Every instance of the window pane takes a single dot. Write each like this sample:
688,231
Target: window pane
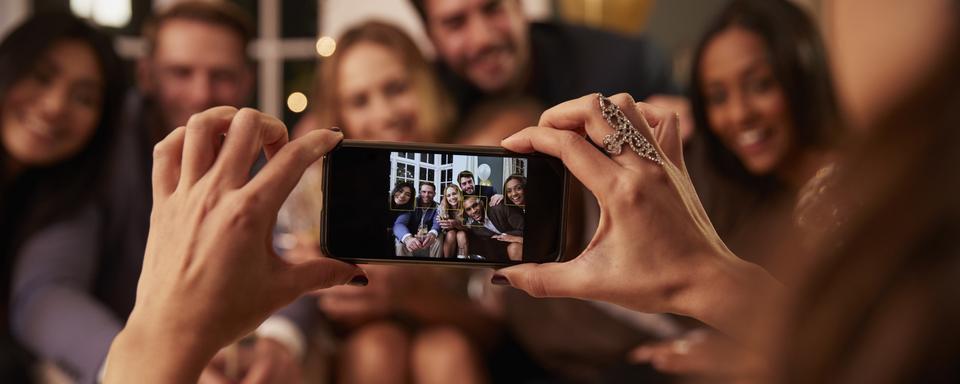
299,19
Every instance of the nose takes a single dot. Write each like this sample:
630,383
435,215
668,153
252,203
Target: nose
201,92
480,33
741,109
382,112
53,103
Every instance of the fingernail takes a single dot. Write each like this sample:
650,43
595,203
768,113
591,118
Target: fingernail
336,129
499,279
359,281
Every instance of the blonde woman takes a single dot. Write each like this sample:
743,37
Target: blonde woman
378,86
451,220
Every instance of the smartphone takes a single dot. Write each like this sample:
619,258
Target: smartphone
442,204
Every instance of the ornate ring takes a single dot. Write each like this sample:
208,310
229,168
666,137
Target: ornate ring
624,132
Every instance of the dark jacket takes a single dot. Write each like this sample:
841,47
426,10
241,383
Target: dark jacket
409,222
571,61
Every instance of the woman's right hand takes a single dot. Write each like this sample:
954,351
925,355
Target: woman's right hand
654,249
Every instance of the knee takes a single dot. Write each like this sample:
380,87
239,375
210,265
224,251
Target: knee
462,237
444,346
375,345
451,235
515,251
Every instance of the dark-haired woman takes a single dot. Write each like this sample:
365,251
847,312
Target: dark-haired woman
401,198
509,218
763,104
60,87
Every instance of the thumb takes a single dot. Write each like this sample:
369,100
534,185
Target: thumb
543,280
319,273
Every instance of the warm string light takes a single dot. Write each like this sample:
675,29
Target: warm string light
297,102
326,45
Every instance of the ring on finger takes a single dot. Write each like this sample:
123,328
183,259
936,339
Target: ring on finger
624,133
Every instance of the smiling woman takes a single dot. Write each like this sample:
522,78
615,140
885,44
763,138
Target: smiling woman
60,88
767,119
377,85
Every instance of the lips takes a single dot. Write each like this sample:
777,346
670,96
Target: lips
753,140
489,60
38,129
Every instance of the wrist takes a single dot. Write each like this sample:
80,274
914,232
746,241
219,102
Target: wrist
724,291
156,352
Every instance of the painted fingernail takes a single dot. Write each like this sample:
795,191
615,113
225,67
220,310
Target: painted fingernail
336,129
499,279
359,281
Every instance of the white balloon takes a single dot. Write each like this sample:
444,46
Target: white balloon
483,171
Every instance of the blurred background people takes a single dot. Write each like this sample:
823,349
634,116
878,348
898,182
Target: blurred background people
379,86
488,50
196,59
61,87
765,114
411,323
767,121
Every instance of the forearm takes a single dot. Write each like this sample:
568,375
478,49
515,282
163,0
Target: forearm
149,352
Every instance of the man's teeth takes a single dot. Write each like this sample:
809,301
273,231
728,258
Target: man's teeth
750,137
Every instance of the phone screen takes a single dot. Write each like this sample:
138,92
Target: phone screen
442,205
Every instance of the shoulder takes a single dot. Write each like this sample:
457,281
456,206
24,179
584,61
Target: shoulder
607,62
592,40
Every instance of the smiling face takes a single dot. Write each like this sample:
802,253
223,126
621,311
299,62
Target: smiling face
376,94
452,194
402,196
195,66
52,112
427,192
484,41
515,191
466,184
746,106
473,208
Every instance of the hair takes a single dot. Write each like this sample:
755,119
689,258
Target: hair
521,178
889,274
41,195
218,12
463,174
799,61
396,189
436,112
445,207
420,7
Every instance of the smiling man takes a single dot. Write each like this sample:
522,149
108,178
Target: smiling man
487,49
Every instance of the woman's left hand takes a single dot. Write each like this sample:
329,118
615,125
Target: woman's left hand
209,273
